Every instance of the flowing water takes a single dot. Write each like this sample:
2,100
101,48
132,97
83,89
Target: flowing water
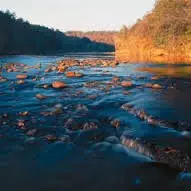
114,153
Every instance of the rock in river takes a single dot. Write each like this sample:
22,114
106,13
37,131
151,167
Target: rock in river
166,155
21,76
20,82
50,138
58,85
73,74
156,86
126,84
31,132
40,96
90,125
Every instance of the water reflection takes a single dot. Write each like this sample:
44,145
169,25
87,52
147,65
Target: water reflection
179,71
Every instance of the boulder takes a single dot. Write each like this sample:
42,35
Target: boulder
126,84
156,86
41,96
50,138
21,76
58,85
73,74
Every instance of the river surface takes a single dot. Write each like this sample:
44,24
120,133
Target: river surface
91,159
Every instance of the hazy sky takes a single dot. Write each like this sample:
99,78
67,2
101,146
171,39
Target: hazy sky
79,14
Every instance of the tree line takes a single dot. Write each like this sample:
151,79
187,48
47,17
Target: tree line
106,37
20,37
164,34
169,21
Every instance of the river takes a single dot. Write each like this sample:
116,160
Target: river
43,144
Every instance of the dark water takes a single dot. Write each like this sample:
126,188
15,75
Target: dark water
94,159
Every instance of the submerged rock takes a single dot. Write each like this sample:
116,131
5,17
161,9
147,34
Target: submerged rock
48,70
126,92
3,79
90,125
116,123
112,140
93,84
46,86
25,113
41,96
31,132
155,78
142,115
148,85
57,110
126,106
72,124
46,113
65,139
92,97
20,82
81,108
21,124
115,80
50,138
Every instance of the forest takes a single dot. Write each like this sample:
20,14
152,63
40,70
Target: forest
106,37
20,37
163,32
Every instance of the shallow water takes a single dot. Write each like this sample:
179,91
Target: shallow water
92,159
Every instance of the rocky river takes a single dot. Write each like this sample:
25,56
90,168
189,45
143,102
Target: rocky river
85,122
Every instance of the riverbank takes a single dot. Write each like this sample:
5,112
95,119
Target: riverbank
162,35
137,51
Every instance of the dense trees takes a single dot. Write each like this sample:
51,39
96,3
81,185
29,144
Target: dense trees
169,20
164,31
106,37
20,37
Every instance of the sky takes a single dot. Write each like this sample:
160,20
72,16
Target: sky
85,15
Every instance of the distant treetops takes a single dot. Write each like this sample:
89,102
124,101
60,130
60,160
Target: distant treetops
166,27
169,20
106,37
20,37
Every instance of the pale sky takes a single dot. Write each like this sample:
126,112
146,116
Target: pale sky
79,14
